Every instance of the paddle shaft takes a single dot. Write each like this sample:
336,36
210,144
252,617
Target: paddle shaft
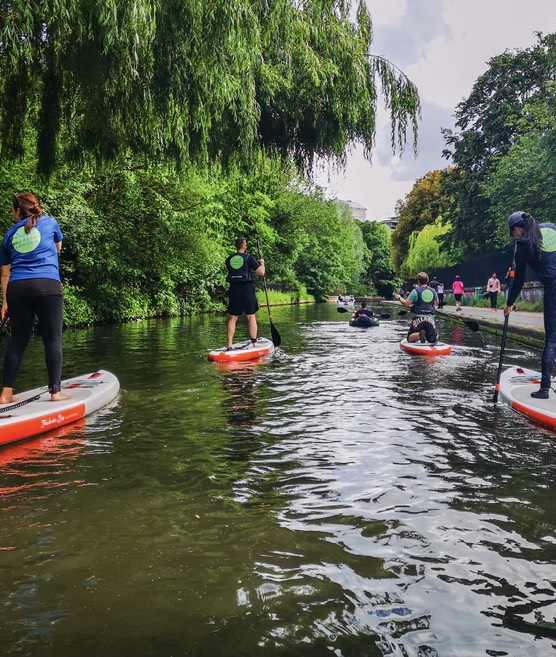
504,332
276,339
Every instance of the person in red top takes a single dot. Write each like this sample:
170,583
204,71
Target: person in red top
493,287
457,287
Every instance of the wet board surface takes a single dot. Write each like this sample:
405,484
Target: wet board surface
516,386
426,349
88,393
242,351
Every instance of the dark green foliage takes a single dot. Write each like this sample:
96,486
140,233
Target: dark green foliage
142,241
380,275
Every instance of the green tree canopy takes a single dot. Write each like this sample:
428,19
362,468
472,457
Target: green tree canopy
425,251
487,124
194,81
422,206
379,274
525,178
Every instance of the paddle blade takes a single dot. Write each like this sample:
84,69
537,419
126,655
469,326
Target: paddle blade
473,326
276,339
384,316
341,309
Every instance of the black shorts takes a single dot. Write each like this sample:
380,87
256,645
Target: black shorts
242,299
423,324
457,297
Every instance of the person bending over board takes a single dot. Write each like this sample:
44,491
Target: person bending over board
31,286
422,300
242,299
536,247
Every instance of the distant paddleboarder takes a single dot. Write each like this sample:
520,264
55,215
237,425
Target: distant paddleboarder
536,247
242,299
423,300
364,310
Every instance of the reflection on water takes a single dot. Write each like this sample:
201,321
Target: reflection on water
343,498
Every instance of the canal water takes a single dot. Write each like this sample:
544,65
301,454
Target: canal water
343,499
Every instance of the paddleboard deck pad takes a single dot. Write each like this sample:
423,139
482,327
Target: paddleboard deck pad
242,351
364,321
34,413
516,386
425,349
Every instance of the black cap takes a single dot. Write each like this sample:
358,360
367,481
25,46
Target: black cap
516,218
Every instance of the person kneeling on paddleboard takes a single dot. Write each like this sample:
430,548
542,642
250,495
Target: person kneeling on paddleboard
364,310
242,299
536,247
423,300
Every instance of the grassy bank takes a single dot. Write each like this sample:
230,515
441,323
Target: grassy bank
276,298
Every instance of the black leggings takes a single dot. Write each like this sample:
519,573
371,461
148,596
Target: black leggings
493,299
549,351
22,310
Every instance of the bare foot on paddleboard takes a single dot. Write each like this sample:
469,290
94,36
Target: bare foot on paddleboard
59,396
8,400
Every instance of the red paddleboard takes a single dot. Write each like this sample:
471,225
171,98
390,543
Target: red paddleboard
425,349
242,351
34,413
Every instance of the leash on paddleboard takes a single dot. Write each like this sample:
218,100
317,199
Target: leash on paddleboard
505,330
276,339
12,407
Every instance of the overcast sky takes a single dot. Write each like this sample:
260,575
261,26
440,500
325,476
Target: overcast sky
443,46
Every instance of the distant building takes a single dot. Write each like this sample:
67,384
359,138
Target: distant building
357,210
391,222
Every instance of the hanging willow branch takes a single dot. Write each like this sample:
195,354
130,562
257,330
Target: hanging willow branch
194,80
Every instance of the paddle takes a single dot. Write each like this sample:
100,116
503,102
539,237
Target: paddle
276,339
505,331
3,323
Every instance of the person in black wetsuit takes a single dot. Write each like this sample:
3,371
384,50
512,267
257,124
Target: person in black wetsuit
364,310
241,266
31,286
536,247
423,300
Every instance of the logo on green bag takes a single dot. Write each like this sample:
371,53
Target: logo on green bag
26,242
236,262
427,296
548,240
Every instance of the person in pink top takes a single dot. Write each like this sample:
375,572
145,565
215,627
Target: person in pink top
457,287
493,287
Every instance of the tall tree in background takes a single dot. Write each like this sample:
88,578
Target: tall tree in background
487,124
380,274
525,178
422,206
194,81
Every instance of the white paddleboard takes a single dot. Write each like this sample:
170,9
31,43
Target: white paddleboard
30,417
516,386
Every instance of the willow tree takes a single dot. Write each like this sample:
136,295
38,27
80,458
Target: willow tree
192,80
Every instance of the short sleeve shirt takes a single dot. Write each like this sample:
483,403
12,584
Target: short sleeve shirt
33,254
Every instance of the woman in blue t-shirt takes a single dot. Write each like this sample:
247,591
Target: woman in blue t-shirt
31,287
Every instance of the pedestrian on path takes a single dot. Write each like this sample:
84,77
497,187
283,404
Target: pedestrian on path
440,294
493,288
536,247
458,289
